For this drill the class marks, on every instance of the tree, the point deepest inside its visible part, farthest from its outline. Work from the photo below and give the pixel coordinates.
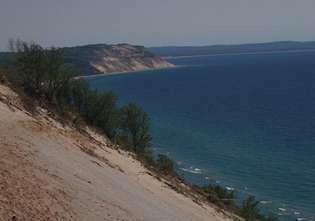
(30, 64)
(250, 210)
(79, 92)
(164, 164)
(3, 74)
(135, 127)
(42, 72)
(58, 74)
(107, 113)
(219, 195)
(269, 218)
(98, 109)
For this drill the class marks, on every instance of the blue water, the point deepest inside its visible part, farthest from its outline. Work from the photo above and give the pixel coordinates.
(244, 121)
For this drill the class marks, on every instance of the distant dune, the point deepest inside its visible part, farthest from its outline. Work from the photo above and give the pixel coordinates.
(101, 58)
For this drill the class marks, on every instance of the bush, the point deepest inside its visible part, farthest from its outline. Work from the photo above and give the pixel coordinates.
(3, 74)
(41, 72)
(135, 128)
(147, 158)
(219, 195)
(250, 210)
(165, 165)
(269, 218)
(102, 112)
(30, 65)
(79, 90)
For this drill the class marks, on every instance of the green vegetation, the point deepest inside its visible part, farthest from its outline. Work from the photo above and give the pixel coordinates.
(165, 165)
(226, 199)
(135, 128)
(134, 133)
(219, 195)
(41, 75)
(250, 210)
(2, 74)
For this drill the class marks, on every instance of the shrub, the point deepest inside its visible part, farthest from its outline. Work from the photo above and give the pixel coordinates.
(30, 65)
(135, 128)
(250, 210)
(79, 90)
(3, 74)
(78, 122)
(219, 195)
(41, 72)
(269, 218)
(147, 158)
(165, 165)
(100, 110)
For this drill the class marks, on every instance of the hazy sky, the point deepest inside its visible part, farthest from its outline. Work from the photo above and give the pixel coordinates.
(156, 22)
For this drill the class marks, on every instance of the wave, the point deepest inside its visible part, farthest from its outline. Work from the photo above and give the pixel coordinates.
(229, 188)
(191, 170)
(279, 210)
(265, 202)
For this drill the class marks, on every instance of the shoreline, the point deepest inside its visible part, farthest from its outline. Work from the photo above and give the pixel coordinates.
(124, 72)
(238, 53)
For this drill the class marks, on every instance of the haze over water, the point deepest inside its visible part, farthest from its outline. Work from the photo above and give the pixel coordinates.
(244, 121)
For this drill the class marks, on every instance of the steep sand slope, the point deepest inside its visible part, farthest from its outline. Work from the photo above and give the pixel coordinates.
(52, 172)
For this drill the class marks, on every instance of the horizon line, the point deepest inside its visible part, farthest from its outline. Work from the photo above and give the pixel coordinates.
(184, 46)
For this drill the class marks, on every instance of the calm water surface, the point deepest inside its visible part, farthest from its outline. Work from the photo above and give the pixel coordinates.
(246, 122)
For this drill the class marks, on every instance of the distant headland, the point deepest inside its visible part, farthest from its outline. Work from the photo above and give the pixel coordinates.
(105, 59)
(184, 51)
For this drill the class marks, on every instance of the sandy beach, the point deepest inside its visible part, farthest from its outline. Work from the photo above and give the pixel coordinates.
(123, 72)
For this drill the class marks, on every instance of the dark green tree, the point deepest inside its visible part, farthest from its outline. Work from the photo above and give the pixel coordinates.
(135, 127)
(220, 195)
(164, 164)
(107, 113)
(42, 72)
(79, 92)
(269, 218)
(250, 210)
(30, 66)
(58, 74)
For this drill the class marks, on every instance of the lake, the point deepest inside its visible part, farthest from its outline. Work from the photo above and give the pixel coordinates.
(244, 121)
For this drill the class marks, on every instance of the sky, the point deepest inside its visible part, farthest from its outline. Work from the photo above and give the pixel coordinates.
(156, 22)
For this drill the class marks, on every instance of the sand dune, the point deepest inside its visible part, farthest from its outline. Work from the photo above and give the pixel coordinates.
(49, 171)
